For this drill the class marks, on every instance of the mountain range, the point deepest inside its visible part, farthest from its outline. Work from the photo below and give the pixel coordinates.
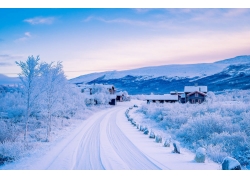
(5, 80)
(228, 74)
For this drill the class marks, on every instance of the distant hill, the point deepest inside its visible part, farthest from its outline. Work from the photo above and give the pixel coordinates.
(5, 80)
(233, 73)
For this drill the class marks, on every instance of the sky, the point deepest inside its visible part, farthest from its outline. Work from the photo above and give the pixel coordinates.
(89, 40)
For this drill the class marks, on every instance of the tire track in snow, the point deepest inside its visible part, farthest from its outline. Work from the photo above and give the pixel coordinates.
(88, 154)
(68, 155)
(101, 144)
(126, 150)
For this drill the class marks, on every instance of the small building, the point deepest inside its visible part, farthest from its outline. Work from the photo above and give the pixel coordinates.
(110, 88)
(183, 98)
(177, 93)
(196, 97)
(119, 96)
(90, 100)
(166, 98)
(194, 94)
(90, 89)
(112, 100)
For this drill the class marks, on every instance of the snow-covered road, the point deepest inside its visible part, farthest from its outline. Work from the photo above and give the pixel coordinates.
(107, 140)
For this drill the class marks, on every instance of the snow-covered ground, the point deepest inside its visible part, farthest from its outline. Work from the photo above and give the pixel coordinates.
(107, 140)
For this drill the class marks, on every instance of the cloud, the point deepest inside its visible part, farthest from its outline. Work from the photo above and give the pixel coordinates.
(125, 21)
(27, 35)
(181, 49)
(40, 20)
(88, 19)
(236, 12)
(8, 57)
(118, 21)
(5, 64)
(142, 10)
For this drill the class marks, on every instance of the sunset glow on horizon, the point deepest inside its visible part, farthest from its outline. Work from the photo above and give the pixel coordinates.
(91, 40)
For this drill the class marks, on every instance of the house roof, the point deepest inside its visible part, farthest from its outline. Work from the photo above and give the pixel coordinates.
(162, 97)
(196, 92)
(173, 92)
(119, 93)
(195, 88)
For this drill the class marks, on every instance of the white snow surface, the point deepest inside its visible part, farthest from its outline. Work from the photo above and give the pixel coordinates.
(108, 141)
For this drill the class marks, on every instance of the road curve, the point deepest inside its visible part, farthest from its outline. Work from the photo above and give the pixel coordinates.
(99, 144)
(107, 141)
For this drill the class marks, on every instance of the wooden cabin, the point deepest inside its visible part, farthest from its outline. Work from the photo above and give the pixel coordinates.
(196, 97)
(194, 94)
(166, 98)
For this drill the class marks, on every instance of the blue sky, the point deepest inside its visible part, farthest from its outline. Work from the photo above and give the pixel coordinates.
(90, 40)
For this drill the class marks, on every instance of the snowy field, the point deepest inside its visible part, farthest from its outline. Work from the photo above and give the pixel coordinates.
(107, 140)
(220, 125)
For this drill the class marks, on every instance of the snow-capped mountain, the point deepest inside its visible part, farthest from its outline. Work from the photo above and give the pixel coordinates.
(5, 80)
(230, 73)
(176, 70)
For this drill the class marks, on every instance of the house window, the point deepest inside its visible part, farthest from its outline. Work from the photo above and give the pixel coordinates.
(196, 94)
(193, 101)
(199, 101)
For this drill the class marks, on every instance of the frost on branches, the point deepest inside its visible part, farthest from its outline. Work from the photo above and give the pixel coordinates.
(43, 102)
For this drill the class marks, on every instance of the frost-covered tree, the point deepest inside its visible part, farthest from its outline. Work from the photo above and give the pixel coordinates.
(29, 80)
(53, 82)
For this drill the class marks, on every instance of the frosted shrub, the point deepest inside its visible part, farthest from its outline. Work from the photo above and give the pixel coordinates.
(8, 132)
(203, 127)
(221, 124)
(229, 142)
(10, 151)
(216, 153)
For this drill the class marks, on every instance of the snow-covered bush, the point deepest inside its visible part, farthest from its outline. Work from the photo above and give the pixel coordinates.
(200, 155)
(10, 151)
(221, 124)
(8, 132)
